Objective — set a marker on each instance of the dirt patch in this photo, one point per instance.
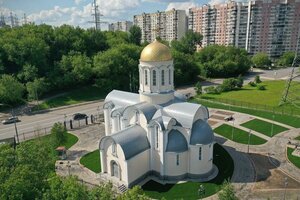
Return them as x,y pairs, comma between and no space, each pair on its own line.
212,122
218,117
224,113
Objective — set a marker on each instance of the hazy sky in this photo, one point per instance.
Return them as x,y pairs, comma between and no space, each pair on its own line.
78,12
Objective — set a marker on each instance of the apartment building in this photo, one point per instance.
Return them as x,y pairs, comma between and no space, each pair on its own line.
269,26
168,25
120,26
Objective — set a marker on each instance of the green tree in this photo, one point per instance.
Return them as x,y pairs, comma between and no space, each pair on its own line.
135,193
222,61
60,133
28,73
118,68
187,44
11,91
227,192
286,60
198,88
261,60
185,68
229,84
257,79
36,88
239,81
135,35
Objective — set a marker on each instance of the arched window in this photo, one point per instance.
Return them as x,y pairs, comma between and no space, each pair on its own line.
177,159
154,78
169,76
114,149
156,137
146,77
162,77
200,153
136,117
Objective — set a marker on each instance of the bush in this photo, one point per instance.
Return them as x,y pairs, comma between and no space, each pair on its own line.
229,84
211,90
198,88
261,87
252,84
257,79
239,81
60,133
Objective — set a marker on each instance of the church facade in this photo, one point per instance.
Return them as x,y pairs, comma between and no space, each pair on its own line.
156,132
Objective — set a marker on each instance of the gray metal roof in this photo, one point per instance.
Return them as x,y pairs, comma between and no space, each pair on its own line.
185,112
147,109
121,98
133,140
176,142
201,133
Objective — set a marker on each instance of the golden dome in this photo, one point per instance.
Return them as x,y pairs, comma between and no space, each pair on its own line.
156,51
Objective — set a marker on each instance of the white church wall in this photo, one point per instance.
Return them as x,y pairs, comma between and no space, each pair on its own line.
138,165
118,158
172,169
205,164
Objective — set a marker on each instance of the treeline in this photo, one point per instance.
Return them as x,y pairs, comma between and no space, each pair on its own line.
38,59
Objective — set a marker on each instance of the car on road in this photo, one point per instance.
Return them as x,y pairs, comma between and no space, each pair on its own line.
11,120
79,116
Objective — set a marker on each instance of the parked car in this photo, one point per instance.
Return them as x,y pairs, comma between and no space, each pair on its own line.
79,116
11,120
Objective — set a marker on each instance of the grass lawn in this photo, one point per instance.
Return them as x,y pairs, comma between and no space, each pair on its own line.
239,135
189,190
294,159
88,93
297,138
263,99
285,119
263,127
92,161
70,141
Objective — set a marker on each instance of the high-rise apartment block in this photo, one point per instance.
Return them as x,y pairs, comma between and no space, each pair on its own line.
270,26
168,25
120,26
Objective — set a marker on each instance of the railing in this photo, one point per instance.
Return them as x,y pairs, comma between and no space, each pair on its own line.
293,111
69,124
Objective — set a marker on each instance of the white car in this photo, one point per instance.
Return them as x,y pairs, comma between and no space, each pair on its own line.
11,120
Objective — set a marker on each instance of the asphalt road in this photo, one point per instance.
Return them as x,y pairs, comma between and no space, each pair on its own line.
30,123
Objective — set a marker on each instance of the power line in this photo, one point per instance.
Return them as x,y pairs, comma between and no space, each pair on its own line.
97,16
289,95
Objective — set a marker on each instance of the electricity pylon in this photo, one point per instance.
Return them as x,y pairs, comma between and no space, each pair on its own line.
291,93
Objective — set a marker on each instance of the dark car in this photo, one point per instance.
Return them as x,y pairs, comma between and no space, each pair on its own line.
11,120
79,116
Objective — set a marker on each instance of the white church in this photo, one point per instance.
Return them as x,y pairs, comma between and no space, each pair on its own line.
155,133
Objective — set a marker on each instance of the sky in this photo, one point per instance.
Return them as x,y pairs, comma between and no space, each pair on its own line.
78,12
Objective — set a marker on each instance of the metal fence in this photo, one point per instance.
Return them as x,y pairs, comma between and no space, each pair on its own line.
69,124
283,110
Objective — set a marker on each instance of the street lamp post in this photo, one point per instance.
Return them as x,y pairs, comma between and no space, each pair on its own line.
232,128
201,191
272,128
249,140
15,124
285,185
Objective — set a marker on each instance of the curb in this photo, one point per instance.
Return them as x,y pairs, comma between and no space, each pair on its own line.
67,106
